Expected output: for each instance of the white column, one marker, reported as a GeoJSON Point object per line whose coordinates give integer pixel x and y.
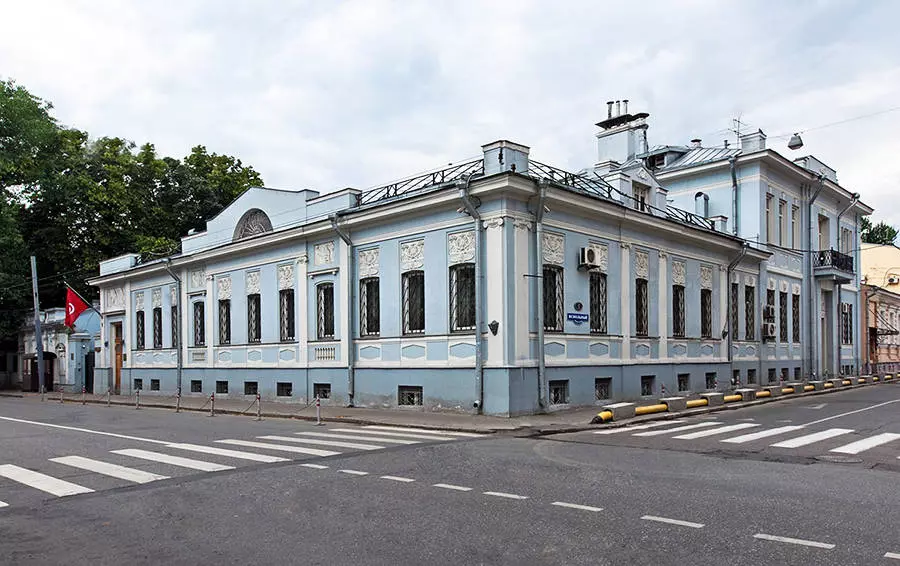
{"type": "Point", "coordinates": [663, 305]}
{"type": "Point", "coordinates": [724, 292]}
{"type": "Point", "coordinates": [626, 303]}
{"type": "Point", "coordinates": [210, 319]}
{"type": "Point", "coordinates": [346, 314]}
{"type": "Point", "coordinates": [521, 287]}
{"type": "Point", "coordinates": [302, 309]}
{"type": "Point", "coordinates": [495, 284]}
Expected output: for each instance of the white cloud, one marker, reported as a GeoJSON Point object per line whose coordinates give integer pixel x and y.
{"type": "Point", "coordinates": [331, 94]}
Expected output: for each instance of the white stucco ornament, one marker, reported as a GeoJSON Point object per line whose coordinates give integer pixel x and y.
{"type": "Point", "coordinates": [601, 256]}
{"type": "Point", "coordinates": [678, 271]}
{"type": "Point", "coordinates": [252, 282]}
{"type": "Point", "coordinates": [771, 284]}
{"type": "Point", "coordinates": [324, 253]}
{"type": "Point", "coordinates": [554, 248]}
{"type": "Point", "coordinates": [795, 289]}
{"type": "Point", "coordinates": [784, 287]}
{"type": "Point", "coordinates": [750, 280]}
{"type": "Point", "coordinates": [115, 298]}
{"type": "Point", "coordinates": [493, 223]}
{"type": "Point", "coordinates": [461, 246]}
{"type": "Point", "coordinates": [198, 279]}
{"type": "Point", "coordinates": [139, 301]}
{"type": "Point", "coordinates": [157, 298]}
{"type": "Point", "coordinates": [223, 288]}
{"type": "Point", "coordinates": [173, 295]}
{"type": "Point", "coordinates": [368, 262]}
{"type": "Point", "coordinates": [285, 277]}
{"type": "Point", "coordinates": [641, 265]}
{"type": "Point", "coordinates": [705, 277]}
{"type": "Point", "coordinates": [412, 255]}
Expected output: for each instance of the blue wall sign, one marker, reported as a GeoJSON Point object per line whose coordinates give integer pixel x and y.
{"type": "Point", "coordinates": [577, 317]}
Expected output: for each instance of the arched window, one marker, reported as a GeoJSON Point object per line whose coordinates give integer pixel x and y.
{"type": "Point", "coordinates": [252, 223]}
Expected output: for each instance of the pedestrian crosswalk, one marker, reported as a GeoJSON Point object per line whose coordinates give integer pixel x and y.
{"type": "Point", "coordinates": [786, 437]}
{"type": "Point", "coordinates": [139, 466]}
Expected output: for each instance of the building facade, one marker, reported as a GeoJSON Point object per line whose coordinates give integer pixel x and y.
{"type": "Point", "coordinates": [880, 324]}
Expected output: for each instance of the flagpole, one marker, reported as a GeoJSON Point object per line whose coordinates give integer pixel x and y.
{"type": "Point", "coordinates": [88, 303]}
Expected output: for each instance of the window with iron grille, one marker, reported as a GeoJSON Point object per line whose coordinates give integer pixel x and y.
{"type": "Point", "coordinates": [154, 385]}
{"type": "Point", "coordinates": [602, 388]}
{"type": "Point", "coordinates": [157, 327]}
{"type": "Point", "coordinates": [784, 374]}
{"type": "Point", "coordinates": [797, 372]}
{"type": "Point", "coordinates": [553, 298]}
{"type": "Point", "coordinates": [642, 308]}
{"type": "Point", "coordinates": [678, 311]}
{"type": "Point", "coordinates": [175, 322]}
{"type": "Point", "coordinates": [325, 311]}
{"type": "Point", "coordinates": [409, 395]}
{"type": "Point", "coordinates": [559, 392]}
{"type": "Point", "coordinates": [846, 323]}
{"type": "Point", "coordinates": [286, 314]}
{"type": "Point", "coordinates": [751, 376]}
{"type": "Point", "coordinates": [284, 389]}
{"type": "Point", "coordinates": [139, 330]}
{"type": "Point", "coordinates": [221, 388]}
{"type": "Point", "coordinates": [322, 390]}
{"type": "Point", "coordinates": [783, 315]}
{"type": "Point", "coordinates": [770, 299]}
{"type": "Point", "coordinates": [138, 384]}
{"type": "Point", "coordinates": [199, 324]}
{"type": "Point", "coordinates": [598, 302]}
{"type": "Point", "coordinates": [224, 321]}
{"type": "Point", "coordinates": [795, 318]}
{"type": "Point", "coordinates": [706, 313]}
{"type": "Point", "coordinates": [736, 378]}
{"type": "Point", "coordinates": [254, 324]}
{"type": "Point", "coordinates": [196, 386]}
{"type": "Point", "coordinates": [749, 312]}
{"type": "Point", "coordinates": [413, 302]}
{"type": "Point", "coordinates": [712, 380]}
{"type": "Point", "coordinates": [684, 382]}
{"type": "Point", "coordinates": [462, 297]}
{"type": "Point", "coordinates": [772, 375]}
{"type": "Point", "coordinates": [251, 387]}
{"type": "Point", "coordinates": [647, 384]}
{"type": "Point", "coordinates": [369, 307]}
{"type": "Point", "coordinates": [735, 322]}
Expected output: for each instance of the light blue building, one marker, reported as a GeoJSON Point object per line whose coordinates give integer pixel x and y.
{"type": "Point", "coordinates": [500, 285]}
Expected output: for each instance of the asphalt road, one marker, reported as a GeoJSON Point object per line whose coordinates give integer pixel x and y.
{"type": "Point", "coordinates": [579, 498]}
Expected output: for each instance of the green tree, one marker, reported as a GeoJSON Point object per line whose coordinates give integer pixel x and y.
{"type": "Point", "coordinates": [880, 233]}
{"type": "Point", "coordinates": [28, 135]}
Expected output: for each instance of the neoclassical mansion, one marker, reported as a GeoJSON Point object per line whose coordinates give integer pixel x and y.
{"type": "Point", "coordinates": [500, 285]}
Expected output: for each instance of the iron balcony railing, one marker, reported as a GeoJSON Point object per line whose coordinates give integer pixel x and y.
{"type": "Point", "coordinates": [835, 259]}
{"type": "Point", "coordinates": [432, 178]}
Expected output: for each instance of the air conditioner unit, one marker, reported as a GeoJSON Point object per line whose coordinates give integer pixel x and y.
{"type": "Point", "coordinates": [768, 329]}
{"type": "Point", "coordinates": [587, 258]}
{"type": "Point", "coordinates": [769, 312]}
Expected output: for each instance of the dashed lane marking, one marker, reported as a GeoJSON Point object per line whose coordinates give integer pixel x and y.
{"type": "Point", "coordinates": [762, 434]}
{"type": "Point", "coordinates": [854, 412]}
{"type": "Point", "coordinates": [505, 495]}
{"type": "Point", "coordinates": [669, 521]}
{"type": "Point", "coordinates": [319, 442]}
{"type": "Point", "coordinates": [866, 443]}
{"type": "Point", "coordinates": [358, 437]}
{"type": "Point", "coordinates": [386, 433]}
{"type": "Point", "coordinates": [800, 541]}
{"type": "Point", "coordinates": [397, 478]}
{"type": "Point", "coordinates": [424, 431]}
{"type": "Point", "coordinates": [315, 466]}
{"type": "Point", "coordinates": [45, 483]}
{"type": "Point", "coordinates": [2, 505]}
{"type": "Point", "coordinates": [677, 429]}
{"type": "Point", "coordinates": [452, 487]}
{"type": "Point", "coordinates": [107, 469]}
{"type": "Point", "coordinates": [893, 555]}
{"type": "Point", "coordinates": [239, 454]}
{"type": "Point", "coordinates": [354, 472]}
{"type": "Point", "coordinates": [173, 460]}
{"type": "Point", "coordinates": [811, 438]}
{"type": "Point", "coordinates": [577, 506]}
{"type": "Point", "coordinates": [281, 447]}
{"type": "Point", "coordinates": [638, 427]}
{"type": "Point", "coordinates": [712, 432]}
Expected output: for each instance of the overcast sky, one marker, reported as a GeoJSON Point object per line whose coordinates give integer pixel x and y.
{"type": "Point", "coordinates": [325, 95]}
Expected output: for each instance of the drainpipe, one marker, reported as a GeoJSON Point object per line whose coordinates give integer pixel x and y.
{"type": "Point", "coordinates": [479, 303]}
{"type": "Point", "coordinates": [811, 284]}
{"type": "Point", "coordinates": [348, 316]}
{"type": "Point", "coordinates": [735, 197]}
{"type": "Point", "coordinates": [539, 253]}
{"type": "Point", "coordinates": [853, 202]}
{"type": "Point", "coordinates": [728, 273]}
{"type": "Point", "coordinates": [179, 355]}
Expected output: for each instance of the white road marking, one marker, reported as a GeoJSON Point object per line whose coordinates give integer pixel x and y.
{"type": "Point", "coordinates": [811, 438]}
{"type": "Point", "coordinates": [854, 412]}
{"type": "Point", "coordinates": [762, 434]}
{"type": "Point", "coordinates": [319, 442]}
{"type": "Point", "coordinates": [354, 472]}
{"type": "Point", "coordinates": [799, 541]}
{"type": "Point", "coordinates": [712, 432]}
{"type": "Point", "coordinates": [817, 407]}
{"type": "Point", "coordinates": [239, 454]}
{"type": "Point", "coordinates": [315, 466]}
{"type": "Point", "coordinates": [396, 478]}
{"type": "Point", "coordinates": [577, 506]}
{"type": "Point", "coordinates": [173, 460]}
{"type": "Point", "coordinates": [424, 431]}
{"type": "Point", "coordinates": [672, 521]}
{"type": "Point", "coordinates": [385, 433]}
{"type": "Point", "coordinates": [357, 437]}
{"type": "Point", "coordinates": [638, 427]}
{"type": "Point", "coordinates": [2, 505]}
{"type": "Point", "coordinates": [87, 430]}
{"type": "Point", "coordinates": [453, 487]}
{"type": "Point", "coordinates": [505, 495]}
{"type": "Point", "coordinates": [37, 480]}
{"type": "Point", "coordinates": [893, 555]}
{"type": "Point", "coordinates": [677, 429]}
{"type": "Point", "coordinates": [866, 443]}
{"type": "Point", "coordinates": [107, 469]}
{"type": "Point", "coordinates": [281, 447]}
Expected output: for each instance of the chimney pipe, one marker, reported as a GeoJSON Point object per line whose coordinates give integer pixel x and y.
{"type": "Point", "coordinates": [695, 142]}
{"type": "Point", "coordinates": [609, 105]}
{"type": "Point", "coordinates": [625, 102]}
{"type": "Point", "coordinates": [618, 108]}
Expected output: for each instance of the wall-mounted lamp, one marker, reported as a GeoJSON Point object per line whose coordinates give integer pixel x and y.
{"type": "Point", "coordinates": [494, 326]}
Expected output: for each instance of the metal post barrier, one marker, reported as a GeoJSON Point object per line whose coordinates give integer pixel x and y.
{"type": "Point", "coordinates": [319, 412]}
{"type": "Point", "coordinates": [258, 408]}
{"type": "Point", "coordinates": [137, 399]}
{"type": "Point", "coordinates": [108, 396]}
{"type": "Point", "coordinates": [43, 391]}
{"type": "Point", "coordinates": [178, 400]}
{"type": "Point", "coordinates": [60, 394]}
{"type": "Point", "coordinates": [212, 404]}
{"type": "Point", "coordinates": [83, 392]}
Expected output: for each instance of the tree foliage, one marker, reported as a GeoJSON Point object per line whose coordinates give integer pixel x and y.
{"type": "Point", "coordinates": [880, 233]}
{"type": "Point", "coordinates": [73, 201]}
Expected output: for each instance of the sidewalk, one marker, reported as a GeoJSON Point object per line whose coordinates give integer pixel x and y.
{"type": "Point", "coordinates": [558, 421]}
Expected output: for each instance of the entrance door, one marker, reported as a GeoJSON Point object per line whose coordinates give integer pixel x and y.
{"type": "Point", "coordinates": [827, 321]}
{"type": "Point", "coordinates": [89, 372]}
{"type": "Point", "coordinates": [117, 367]}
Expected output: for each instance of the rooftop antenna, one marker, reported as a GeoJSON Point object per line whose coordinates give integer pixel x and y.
{"type": "Point", "coordinates": [736, 129]}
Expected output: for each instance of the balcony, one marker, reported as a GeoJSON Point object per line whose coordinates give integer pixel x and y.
{"type": "Point", "coordinates": [832, 264]}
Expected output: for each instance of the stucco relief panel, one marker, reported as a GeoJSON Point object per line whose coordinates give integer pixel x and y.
{"type": "Point", "coordinates": [412, 255]}
{"type": "Point", "coordinates": [252, 282]}
{"type": "Point", "coordinates": [461, 246]}
{"type": "Point", "coordinates": [601, 256]}
{"type": "Point", "coordinates": [156, 298]}
{"type": "Point", "coordinates": [324, 253]}
{"type": "Point", "coordinates": [678, 271]}
{"type": "Point", "coordinates": [554, 248]}
{"type": "Point", "coordinates": [139, 301]}
{"type": "Point", "coordinates": [285, 277]}
{"type": "Point", "coordinates": [368, 263]}
{"type": "Point", "coordinates": [115, 298]}
{"type": "Point", "coordinates": [641, 265]}
{"type": "Point", "coordinates": [198, 279]}
{"type": "Point", "coordinates": [706, 277]}
{"type": "Point", "coordinates": [223, 288]}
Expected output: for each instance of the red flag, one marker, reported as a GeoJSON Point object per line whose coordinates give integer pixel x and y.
{"type": "Point", "coordinates": [74, 306]}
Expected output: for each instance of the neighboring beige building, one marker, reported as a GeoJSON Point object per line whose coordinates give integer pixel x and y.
{"type": "Point", "coordinates": [880, 270]}
{"type": "Point", "coordinates": [880, 266]}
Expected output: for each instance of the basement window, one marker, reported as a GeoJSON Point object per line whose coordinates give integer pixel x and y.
{"type": "Point", "coordinates": [559, 392]}
{"type": "Point", "coordinates": [751, 376]}
{"type": "Point", "coordinates": [154, 385]}
{"type": "Point", "coordinates": [647, 385]}
{"type": "Point", "coordinates": [602, 388]}
{"type": "Point", "coordinates": [736, 377]}
{"type": "Point", "coordinates": [322, 390]}
{"type": "Point", "coordinates": [711, 380]}
{"type": "Point", "coordinates": [684, 382]}
{"type": "Point", "coordinates": [138, 384]}
{"type": "Point", "coordinates": [785, 375]}
{"type": "Point", "coordinates": [797, 373]}
{"type": "Point", "coordinates": [771, 375]}
{"type": "Point", "coordinates": [221, 388]}
{"type": "Point", "coordinates": [251, 387]}
{"type": "Point", "coordinates": [409, 395]}
{"type": "Point", "coordinates": [284, 389]}
{"type": "Point", "coordinates": [196, 386]}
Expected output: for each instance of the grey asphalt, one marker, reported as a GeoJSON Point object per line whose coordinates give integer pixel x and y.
{"type": "Point", "coordinates": [291, 514]}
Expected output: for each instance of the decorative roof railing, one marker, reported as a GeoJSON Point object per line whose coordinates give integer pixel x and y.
{"type": "Point", "coordinates": [456, 172]}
